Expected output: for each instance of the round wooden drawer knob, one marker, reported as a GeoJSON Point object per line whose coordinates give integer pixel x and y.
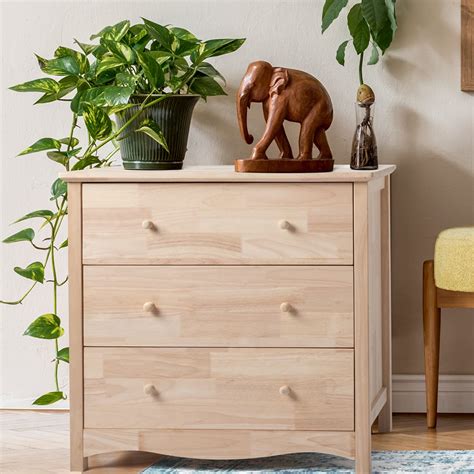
{"type": "Point", "coordinates": [149, 307]}
{"type": "Point", "coordinates": [148, 224]}
{"type": "Point", "coordinates": [285, 390]}
{"type": "Point", "coordinates": [285, 307]}
{"type": "Point", "coordinates": [284, 225]}
{"type": "Point", "coordinates": [150, 389]}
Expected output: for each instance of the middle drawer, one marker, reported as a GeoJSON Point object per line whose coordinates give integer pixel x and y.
{"type": "Point", "coordinates": [218, 306]}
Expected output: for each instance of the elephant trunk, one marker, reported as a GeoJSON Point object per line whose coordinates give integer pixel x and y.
{"type": "Point", "coordinates": [243, 103]}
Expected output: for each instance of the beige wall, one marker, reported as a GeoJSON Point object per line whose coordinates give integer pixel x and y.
{"type": "Point", "coordinates": [424, 124]}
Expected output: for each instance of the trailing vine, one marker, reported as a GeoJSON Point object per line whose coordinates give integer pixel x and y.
{"type": "Point", "coordinates": [97, 82]}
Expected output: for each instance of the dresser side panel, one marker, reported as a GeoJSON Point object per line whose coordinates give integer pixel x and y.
{"type": "Point", "coordinates": [77, 460]}
{"type": "Point", "coordinates": [361, 329]}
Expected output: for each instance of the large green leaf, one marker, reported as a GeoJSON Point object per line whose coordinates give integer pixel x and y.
{"type": "Point", "coordinates": [41, 145]}
{"type": "Point", "coordinates": [62, 66]}
{"type": "Point", "coordinates": [126, 79]}
{"type": "Point", "coordinates": [63, 354]}
{"type": "Point", "coordinates": [159, 33]}
{"type": "Point", "coordinates": [209, 70]}
{"type": "Point", "coordinates": [58, 189]}
{"type": "Point", "coordinates": [70, 141]}
{"type": "Point", "coordinates": [152, 129]}
{"type": "Point", "coordinates": [60, 157]}
{"type": "Point", "coordinates": [97, 121]}
{"type": "Point", "coordinates": [375, 13]}
{"type": "Point", "coordinates": [120, 50]}
{"type": "Point", "coordinates": [137, 37]}
{"type": "Point", "coordinates": [358, 28]}
{"type": "Point", "coordinates": [183, 34]}
{"type": "Point", "coordinates": [217, 47]}
{"type": "Point", "coordinates": [80, 58]}
{"type": "Point", "coordinates": [34, 271]}
{"type": "Point", "coordinates": [392, 14]}
{"type": "Point", "coordinates": [184, 48]}
{"type": "Point", "coordinates": [66, 85]}
{"type": "Point", "coordinates": [206, 86]}
{"type": "Point", "coordinates": [46, 326]}
{"type": "Point", "coordinates": [42, 213]}
{"type": "Point", "coordinates": [45, 84]}
{"type": "Point", "coordinates": [331, 10]}
{"type": "Point", "coordinates": [152, 70]}
{"type": "Point", "coordinates": [374, 56]}
{"type": "Point", "coordinates": [102, 96]}
{"type": "Point", "coordinates": [21, 236]}
{"type": "Point", "coordinates": [87, 48]}
{"type": "Point", "coordinates": [49, 398]}
{"type": "Point", "coordinates": [160, 56]}
{"type": "Point", "coordinates": [115, 32]}
{"type": "Point", "coordinates": [86, 162]}
{"type": "Point", "coordinates": [341, 53]}
{"type": "Point", "coordinates": [384, 37]}
{"type": "Point", "coordinates": [109, 62]}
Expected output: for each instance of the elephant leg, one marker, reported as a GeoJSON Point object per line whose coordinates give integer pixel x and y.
{"type": "Point", "coordinates": [283, 144]}
{"type": "Point", "coordinates": [276, 115]}
{"type": "Point", "coordinates": [308, 128]}
{"type": "Point", "coordinates": [280, 138]}
{"type": "Point", "coordinates": [321, 142]}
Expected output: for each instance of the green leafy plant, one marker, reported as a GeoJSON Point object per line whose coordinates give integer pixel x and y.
{"type": "Point", "coordinates": [97, 81]}
{"type": "Point", "coordinates": [370, 22]}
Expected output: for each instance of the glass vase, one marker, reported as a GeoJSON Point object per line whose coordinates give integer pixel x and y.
{"type": "Point", "coordinates": [364, 143]}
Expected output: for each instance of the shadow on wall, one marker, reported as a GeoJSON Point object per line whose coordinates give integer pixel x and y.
{"type": "Point", "coordinates": [433, 187]}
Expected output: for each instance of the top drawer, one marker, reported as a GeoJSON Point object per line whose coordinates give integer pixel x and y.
{"type": "Point", "coordinates": [217, 223]}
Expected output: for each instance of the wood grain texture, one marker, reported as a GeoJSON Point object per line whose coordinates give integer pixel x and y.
{"type": "Point", "coordinates": [431, 336]}
{"type": "Point", "coordinates": [37, 442]}
{"type": "Point", "coordinates": [78, 462]}
{"type": "Point", "coordinates": [201, 223]}
{"type": "Point", "coordinates": [361, 330]}
{"type": "Point", "coordinates": [225, 306]}
{"type": "Point", "coordinates": [385, 415]}
{"type": "Point", "coordinates": [454, 299]}
{"type": "Point", "coordinates": [467, 45]}
{"type": "Point", "coordinates": [283, 165]}
{"type": "Point", "coordinates": [374, 243]}
{"type": "Point", "coordinates": [378, 402]}
{"type": "Point", "coordinates": [219, 444]}
{"type": "Point", "coordinates": [219, 388]}
{"type": "Point", "coordinates": [222, 174]}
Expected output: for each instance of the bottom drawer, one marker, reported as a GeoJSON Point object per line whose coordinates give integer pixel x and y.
{"type": "Point", "coordinates": [208, 388]}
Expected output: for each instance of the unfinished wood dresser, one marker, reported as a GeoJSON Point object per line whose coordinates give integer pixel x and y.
{"type": "Point", "coordinates": [221, 315]}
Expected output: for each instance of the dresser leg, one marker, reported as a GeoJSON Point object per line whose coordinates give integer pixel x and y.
{"type": "Point", "coordinates": [363, 458]}
{"type": "Point", "coordinates": [79, 464]}
{"type": "Point", "coordinates": [431, 330]}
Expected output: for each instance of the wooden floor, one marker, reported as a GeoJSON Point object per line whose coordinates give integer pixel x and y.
{"type": "Point", "coordinates": [37, 442]}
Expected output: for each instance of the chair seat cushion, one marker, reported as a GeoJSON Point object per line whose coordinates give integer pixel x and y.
{"type": "Point", "coordinates": [454, 259]}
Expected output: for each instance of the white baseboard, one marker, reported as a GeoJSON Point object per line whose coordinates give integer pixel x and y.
{"type": "Point", "coordinates": [455, 394]}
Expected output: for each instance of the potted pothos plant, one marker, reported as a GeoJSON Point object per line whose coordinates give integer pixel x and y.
{"type": "Point", "coordinates": [148, 75]}
{"type": "Point", "coordinates": [371, 23]}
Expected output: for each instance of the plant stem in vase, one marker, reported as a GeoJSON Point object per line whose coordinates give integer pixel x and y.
{"type": "Point", "coordinates": [364, 144]}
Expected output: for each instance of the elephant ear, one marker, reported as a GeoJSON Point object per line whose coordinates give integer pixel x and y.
{"type": "Point", "coordinates": [279, 81]}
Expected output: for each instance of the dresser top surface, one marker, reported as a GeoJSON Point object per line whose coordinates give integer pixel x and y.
{"type": "Point", "coordinates": [221, 173]}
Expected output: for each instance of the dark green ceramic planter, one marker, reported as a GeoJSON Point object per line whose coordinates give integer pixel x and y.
{"type": "Point", "coordinates": [173, 115]}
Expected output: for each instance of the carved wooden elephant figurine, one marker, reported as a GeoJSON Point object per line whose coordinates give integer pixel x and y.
{"type": "Point", "coordinates": [286, 94]}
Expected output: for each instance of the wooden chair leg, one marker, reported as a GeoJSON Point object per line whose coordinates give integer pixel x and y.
{"type": "Point", "coordinates": [431, 331]}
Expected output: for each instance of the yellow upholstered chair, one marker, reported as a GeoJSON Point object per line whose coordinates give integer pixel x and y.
{"type": "Point", "coordinates": [448, 282]}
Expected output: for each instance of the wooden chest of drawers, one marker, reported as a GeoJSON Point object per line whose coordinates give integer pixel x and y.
{"type": "Point", "coordinates": [222, 315]}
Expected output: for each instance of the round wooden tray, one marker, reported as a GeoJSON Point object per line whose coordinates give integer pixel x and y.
{"type": "Point", "coordinates": [283, 166]}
